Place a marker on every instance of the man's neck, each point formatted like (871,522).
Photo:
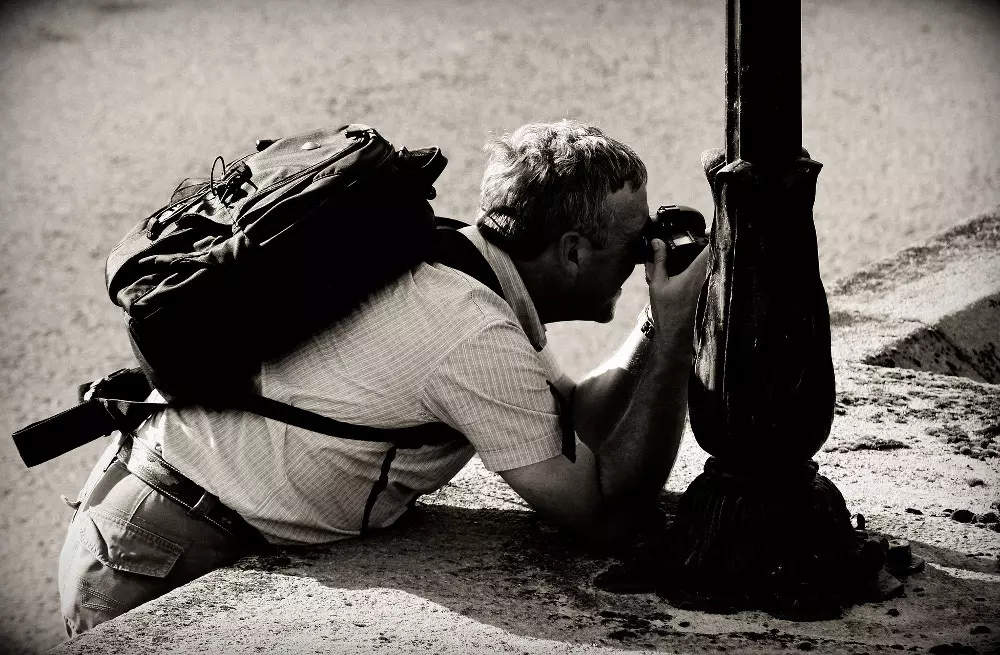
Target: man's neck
(538,280)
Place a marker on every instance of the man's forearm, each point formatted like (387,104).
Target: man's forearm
(600,398)
(637,456)
(631,413)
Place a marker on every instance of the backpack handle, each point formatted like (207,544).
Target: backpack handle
(425,163)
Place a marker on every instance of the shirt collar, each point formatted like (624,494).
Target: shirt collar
(512,285)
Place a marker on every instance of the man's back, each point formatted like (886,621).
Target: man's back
(435,346)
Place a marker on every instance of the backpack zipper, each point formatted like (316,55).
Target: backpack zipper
(362,138)
(155,226)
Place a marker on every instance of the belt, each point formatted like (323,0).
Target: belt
(148,466)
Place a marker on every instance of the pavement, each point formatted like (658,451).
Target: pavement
(106,104)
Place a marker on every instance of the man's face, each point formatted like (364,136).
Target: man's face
(609,266)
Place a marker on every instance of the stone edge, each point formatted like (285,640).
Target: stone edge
(948,345)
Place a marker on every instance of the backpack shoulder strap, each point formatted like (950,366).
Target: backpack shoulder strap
(411,437)
(452,248)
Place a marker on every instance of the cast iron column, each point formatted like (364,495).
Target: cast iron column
(760,527)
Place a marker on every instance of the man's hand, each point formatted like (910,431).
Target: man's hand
(673,299)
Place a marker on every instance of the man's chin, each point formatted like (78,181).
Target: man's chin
(607,313)
(603,314)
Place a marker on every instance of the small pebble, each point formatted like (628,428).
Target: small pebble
(804,645)
(988,517)
(980,630)
(684,624)
(964,450)
(962,516)
(975,482)
(912,510)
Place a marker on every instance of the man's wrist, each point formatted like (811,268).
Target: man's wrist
(646,324)
(671,345)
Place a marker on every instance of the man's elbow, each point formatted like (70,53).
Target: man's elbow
(603,531)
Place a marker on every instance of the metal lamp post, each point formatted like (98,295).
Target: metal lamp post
(760,527)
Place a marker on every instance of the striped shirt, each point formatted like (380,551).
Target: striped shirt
(434,346)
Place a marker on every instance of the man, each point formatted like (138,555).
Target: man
(561,224)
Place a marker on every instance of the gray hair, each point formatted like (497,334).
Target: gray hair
(547,179)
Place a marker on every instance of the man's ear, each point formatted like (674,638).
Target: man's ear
(572,250)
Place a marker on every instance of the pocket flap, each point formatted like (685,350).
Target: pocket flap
(124,546)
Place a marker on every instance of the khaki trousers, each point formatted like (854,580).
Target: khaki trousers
(128,544)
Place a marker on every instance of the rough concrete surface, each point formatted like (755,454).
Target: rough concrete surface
(105,105)
(471,570)
(934,306)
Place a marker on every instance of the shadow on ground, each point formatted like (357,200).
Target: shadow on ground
(507,569)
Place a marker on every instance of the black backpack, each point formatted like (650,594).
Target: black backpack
(240,269)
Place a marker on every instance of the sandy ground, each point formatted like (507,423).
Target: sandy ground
(105,105)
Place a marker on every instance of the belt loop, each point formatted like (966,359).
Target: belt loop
(203,506)
(74,504)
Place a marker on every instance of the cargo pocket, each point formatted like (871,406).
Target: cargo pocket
(124,546)
(109,566)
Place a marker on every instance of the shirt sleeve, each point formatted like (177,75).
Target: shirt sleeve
(493,387)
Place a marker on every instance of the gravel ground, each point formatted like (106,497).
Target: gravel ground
(106,104)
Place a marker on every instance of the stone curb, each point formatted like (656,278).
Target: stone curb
(932,307)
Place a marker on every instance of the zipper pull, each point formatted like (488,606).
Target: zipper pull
(156,226)
(360,132)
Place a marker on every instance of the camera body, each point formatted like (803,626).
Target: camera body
(682,229)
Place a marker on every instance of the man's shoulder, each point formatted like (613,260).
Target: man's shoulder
(431,304)
(441,286)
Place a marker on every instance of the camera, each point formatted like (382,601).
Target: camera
(682,229)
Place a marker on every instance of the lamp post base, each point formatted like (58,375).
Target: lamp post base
(777,541)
